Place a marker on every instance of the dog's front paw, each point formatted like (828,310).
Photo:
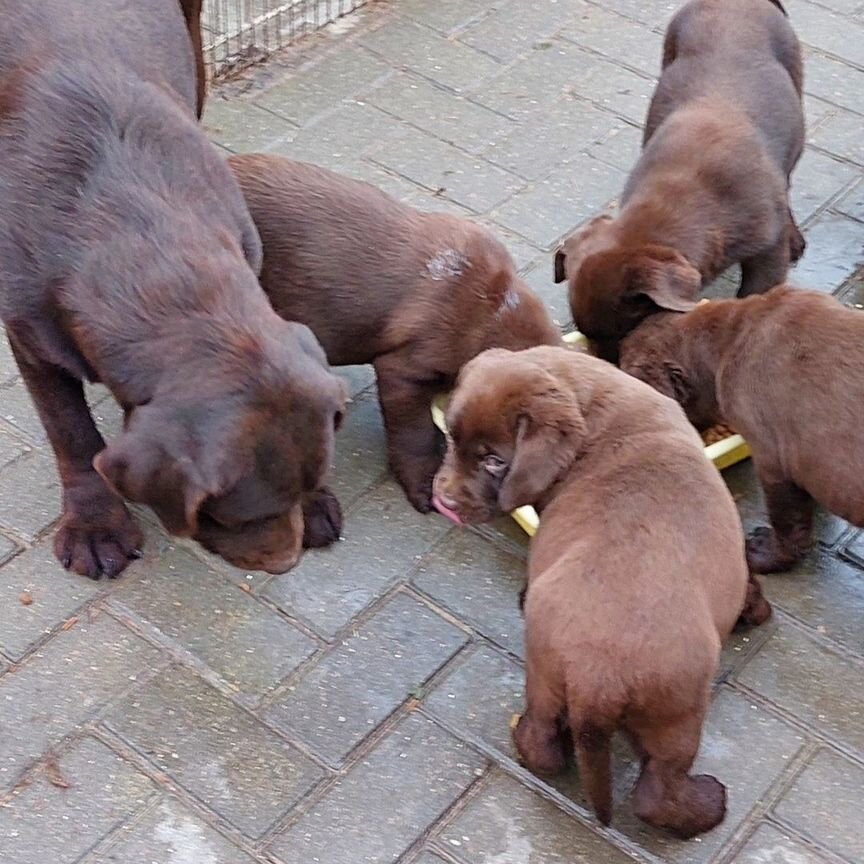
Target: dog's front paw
(757,610)
(797,244)
(765,554)
(99,539)
(322,520)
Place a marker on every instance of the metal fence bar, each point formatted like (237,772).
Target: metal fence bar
(239,32)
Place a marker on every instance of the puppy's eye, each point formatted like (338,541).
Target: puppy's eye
(495,465)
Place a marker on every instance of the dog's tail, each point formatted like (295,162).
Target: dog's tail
(591,742)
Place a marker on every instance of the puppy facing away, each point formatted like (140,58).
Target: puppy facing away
(415,294)
(127,256)
(786,370)
(724,131)
(637,530)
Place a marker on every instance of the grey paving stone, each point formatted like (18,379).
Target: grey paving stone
(769,844)
(826,31)
(45,822)
(394,185)
(427,858)
(357,378)
(55,596)
(8,368)
(841,135)
(383,539)
(313,89)
(7,548)
(812,682)
(17,409)
(743,745)
(553,207)
(620,148)
(241,126)
(169,834)
(337,703)
(11,446)
(192,605)
(541,279)
(816,112)
(235,765)
(525,88)
(343,136)
(513,28)
(834,81)
(36,502)
(659,12)
(618,90)
(361,450)
(404,43)
(824,804)
(615,37)
(480,696)
(816,181)
(522,251)
(478,583)
(431,202)
(825,593)
(834,251)
(533,150)
(417,765)
(854,549)
(506,823)
(444,15)
(441,113)
(467,180)
(68,681)
(852,203)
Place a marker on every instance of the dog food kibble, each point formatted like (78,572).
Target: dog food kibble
(717,433)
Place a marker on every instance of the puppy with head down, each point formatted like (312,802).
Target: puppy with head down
(637,530)
(415,294)
(724,131)
(786,370)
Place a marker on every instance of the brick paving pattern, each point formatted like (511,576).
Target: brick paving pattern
(356,709)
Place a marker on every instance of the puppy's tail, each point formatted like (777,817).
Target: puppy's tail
(591,740)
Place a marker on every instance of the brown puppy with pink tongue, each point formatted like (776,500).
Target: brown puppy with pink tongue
(636,574)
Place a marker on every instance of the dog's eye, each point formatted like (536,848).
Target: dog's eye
(495,465)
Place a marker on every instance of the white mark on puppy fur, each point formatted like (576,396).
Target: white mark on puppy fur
(447,264)
(510,301)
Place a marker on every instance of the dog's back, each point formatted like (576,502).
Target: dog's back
(741,51)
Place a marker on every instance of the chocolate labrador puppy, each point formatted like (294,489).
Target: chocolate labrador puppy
(416,294)
(615,471)
(724,130)
(786,370)
(127,256)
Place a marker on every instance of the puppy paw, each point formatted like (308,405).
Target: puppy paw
(706,807)
(418,491)
(797,244)
(322,520)
(765,554)
(99,540)
(757,610)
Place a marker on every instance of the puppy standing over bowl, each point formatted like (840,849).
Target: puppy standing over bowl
(724,131)
(416,294)
(127,256)
(786,370)
(636,574)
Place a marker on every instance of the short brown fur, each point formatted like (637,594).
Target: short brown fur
(416,294)
(786,370)
(724,131)
(616,472)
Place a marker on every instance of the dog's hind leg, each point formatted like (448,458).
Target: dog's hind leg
(666,795)
(540,741)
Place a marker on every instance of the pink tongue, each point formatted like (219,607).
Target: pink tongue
(444,510)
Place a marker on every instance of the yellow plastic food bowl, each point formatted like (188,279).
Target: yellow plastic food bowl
(723,453)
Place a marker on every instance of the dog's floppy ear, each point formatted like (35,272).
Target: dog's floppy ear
(157,462)
(547,441)
(560,266)
(666,278)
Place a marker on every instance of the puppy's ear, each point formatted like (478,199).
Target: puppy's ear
(547,442)
(154,462)
(666,278)
(560,266)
